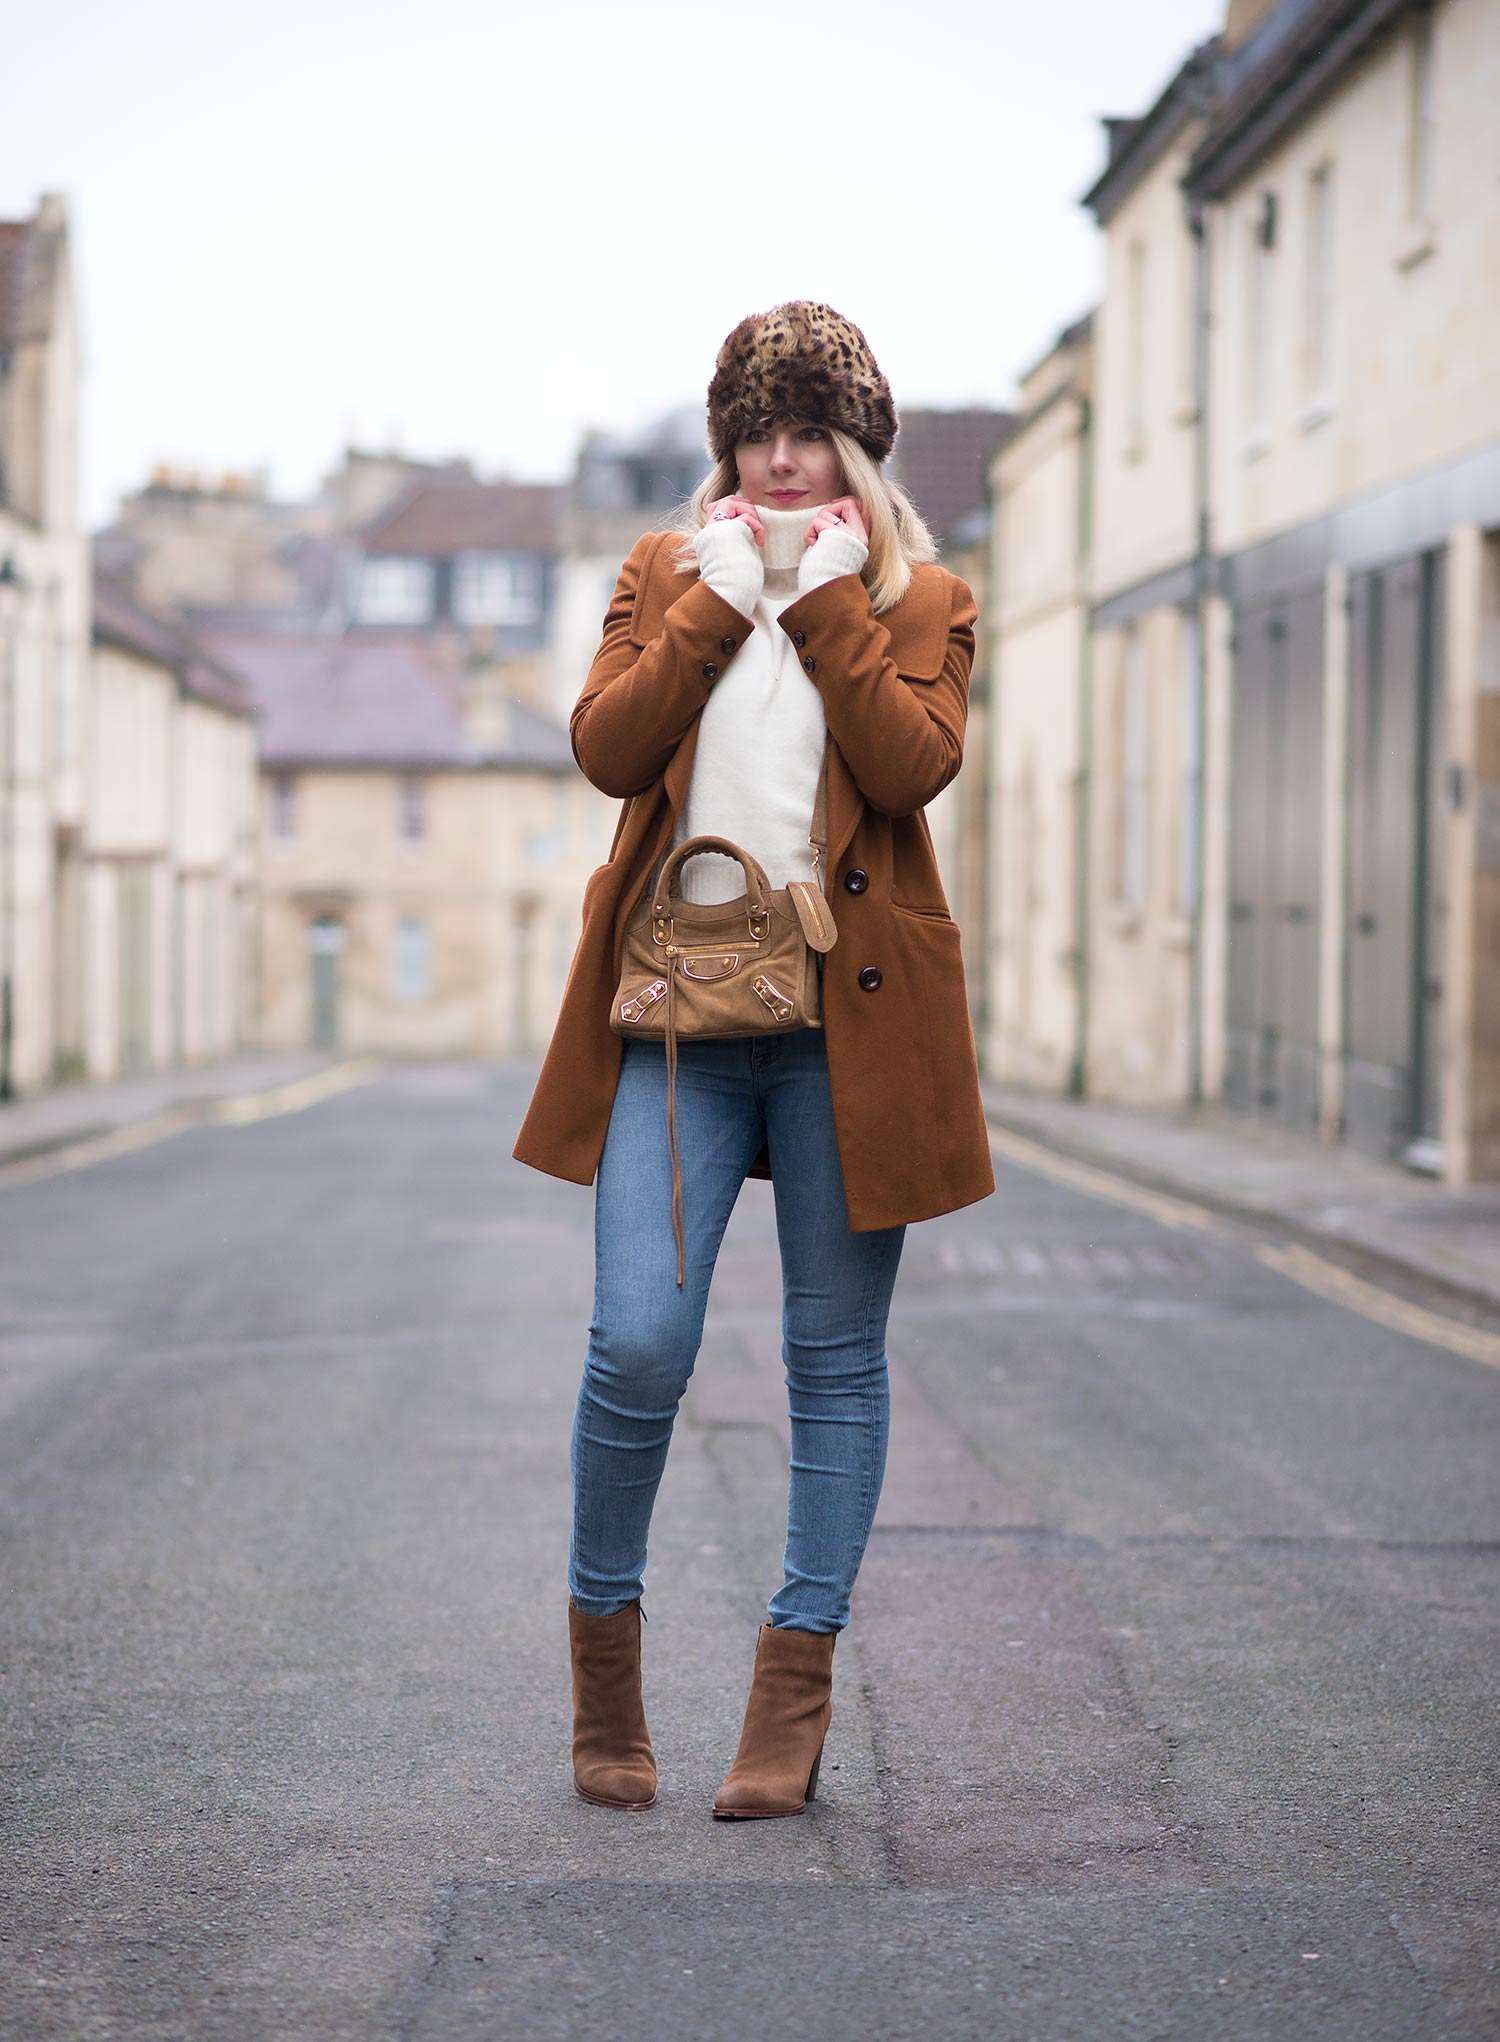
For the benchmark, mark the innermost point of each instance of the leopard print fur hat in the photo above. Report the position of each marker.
(800, 360)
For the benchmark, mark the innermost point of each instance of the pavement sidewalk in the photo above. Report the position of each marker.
(1410, 1225)
(65, 1114)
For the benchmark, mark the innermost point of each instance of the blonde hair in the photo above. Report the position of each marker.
(898, 537)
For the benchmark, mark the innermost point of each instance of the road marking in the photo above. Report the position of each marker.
(1313, 1272)
(246, 1107)
(1077, 1262)
(1160, 1205)
(240, 1110)
(1343, 1287)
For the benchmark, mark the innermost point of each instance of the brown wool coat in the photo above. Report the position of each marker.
(901, 1059)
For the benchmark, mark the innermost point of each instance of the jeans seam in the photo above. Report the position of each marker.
(867, 1502)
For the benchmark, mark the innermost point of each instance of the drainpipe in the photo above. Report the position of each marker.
(1202, 588)
(1078, 1070)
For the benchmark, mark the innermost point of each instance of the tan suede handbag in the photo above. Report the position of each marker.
(747, 966)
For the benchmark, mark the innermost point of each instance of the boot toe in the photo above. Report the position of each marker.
(745, 1797)
(617, 1787)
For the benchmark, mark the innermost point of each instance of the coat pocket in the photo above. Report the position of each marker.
(927, 914)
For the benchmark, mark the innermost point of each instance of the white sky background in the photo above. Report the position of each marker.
(476, 228)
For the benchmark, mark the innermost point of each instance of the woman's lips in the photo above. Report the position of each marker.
(786, 495)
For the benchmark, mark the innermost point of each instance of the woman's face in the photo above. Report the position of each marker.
(791, 465)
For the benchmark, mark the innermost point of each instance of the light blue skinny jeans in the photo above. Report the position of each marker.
(645, 1332)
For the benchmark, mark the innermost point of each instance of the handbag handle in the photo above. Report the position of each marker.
(757, 886)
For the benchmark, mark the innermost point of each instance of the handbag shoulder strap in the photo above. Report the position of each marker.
(818, 835)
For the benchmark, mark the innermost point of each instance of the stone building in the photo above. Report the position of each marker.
(424, 849)
(44, 653)
(1349, 185)
(170, 850)
(941, 459)
(1291, 764)
(220, 551)
(1143, 936)
(1039, 920)
(470, 565)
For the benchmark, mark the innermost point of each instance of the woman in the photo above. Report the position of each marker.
(799, 596)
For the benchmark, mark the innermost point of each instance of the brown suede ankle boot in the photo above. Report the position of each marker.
(613, 1763)
(775, 1771)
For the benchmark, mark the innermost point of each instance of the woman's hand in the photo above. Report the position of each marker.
(842, 515)
(739, 510)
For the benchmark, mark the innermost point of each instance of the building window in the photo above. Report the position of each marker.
(411, 808)
(393, 590)
(1130, 864)
(411, 960)
(495, 588)
(1421, 120)
(283, 805)
(1260, 241)
(1135, 351)
(1317, 358)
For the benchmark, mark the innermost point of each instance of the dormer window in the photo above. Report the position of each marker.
(394, 589)
(496, 588)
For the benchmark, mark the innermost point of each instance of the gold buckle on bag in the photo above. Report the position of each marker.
(644, 1001)
(780, 1003)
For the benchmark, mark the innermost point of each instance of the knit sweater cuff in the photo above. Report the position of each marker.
(835, 551)
(729, 561)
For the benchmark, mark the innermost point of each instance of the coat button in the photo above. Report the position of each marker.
(869, 978)
(856, 881)
(799, 638)
(726, 645)
(810, 663)
(709, 670)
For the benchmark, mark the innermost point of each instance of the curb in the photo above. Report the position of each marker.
(1359, 1256)
(99, 1140)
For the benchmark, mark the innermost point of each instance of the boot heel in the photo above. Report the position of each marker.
(812, 1778)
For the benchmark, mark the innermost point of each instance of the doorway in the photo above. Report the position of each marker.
(325, 944)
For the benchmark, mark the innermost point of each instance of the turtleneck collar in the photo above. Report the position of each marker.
(785, 531)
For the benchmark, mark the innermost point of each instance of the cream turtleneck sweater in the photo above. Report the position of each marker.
(760, 736)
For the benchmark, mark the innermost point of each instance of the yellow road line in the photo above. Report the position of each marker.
(1160, 1205)
(1343, 1287)
(1313, 1272)
(238, 1111)
(295, 1094)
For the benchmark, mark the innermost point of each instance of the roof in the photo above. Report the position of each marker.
(443, 517)
(1136, 146)
(1075, 334)
(942, 458)
(119, 620)
(1290, 57)
(375, 701)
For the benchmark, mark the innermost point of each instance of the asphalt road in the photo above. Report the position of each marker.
(1168, 1707)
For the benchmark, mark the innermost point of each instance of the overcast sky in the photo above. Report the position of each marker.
(466, 228)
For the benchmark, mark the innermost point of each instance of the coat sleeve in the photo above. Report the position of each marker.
(637, 702)
(902, 740)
